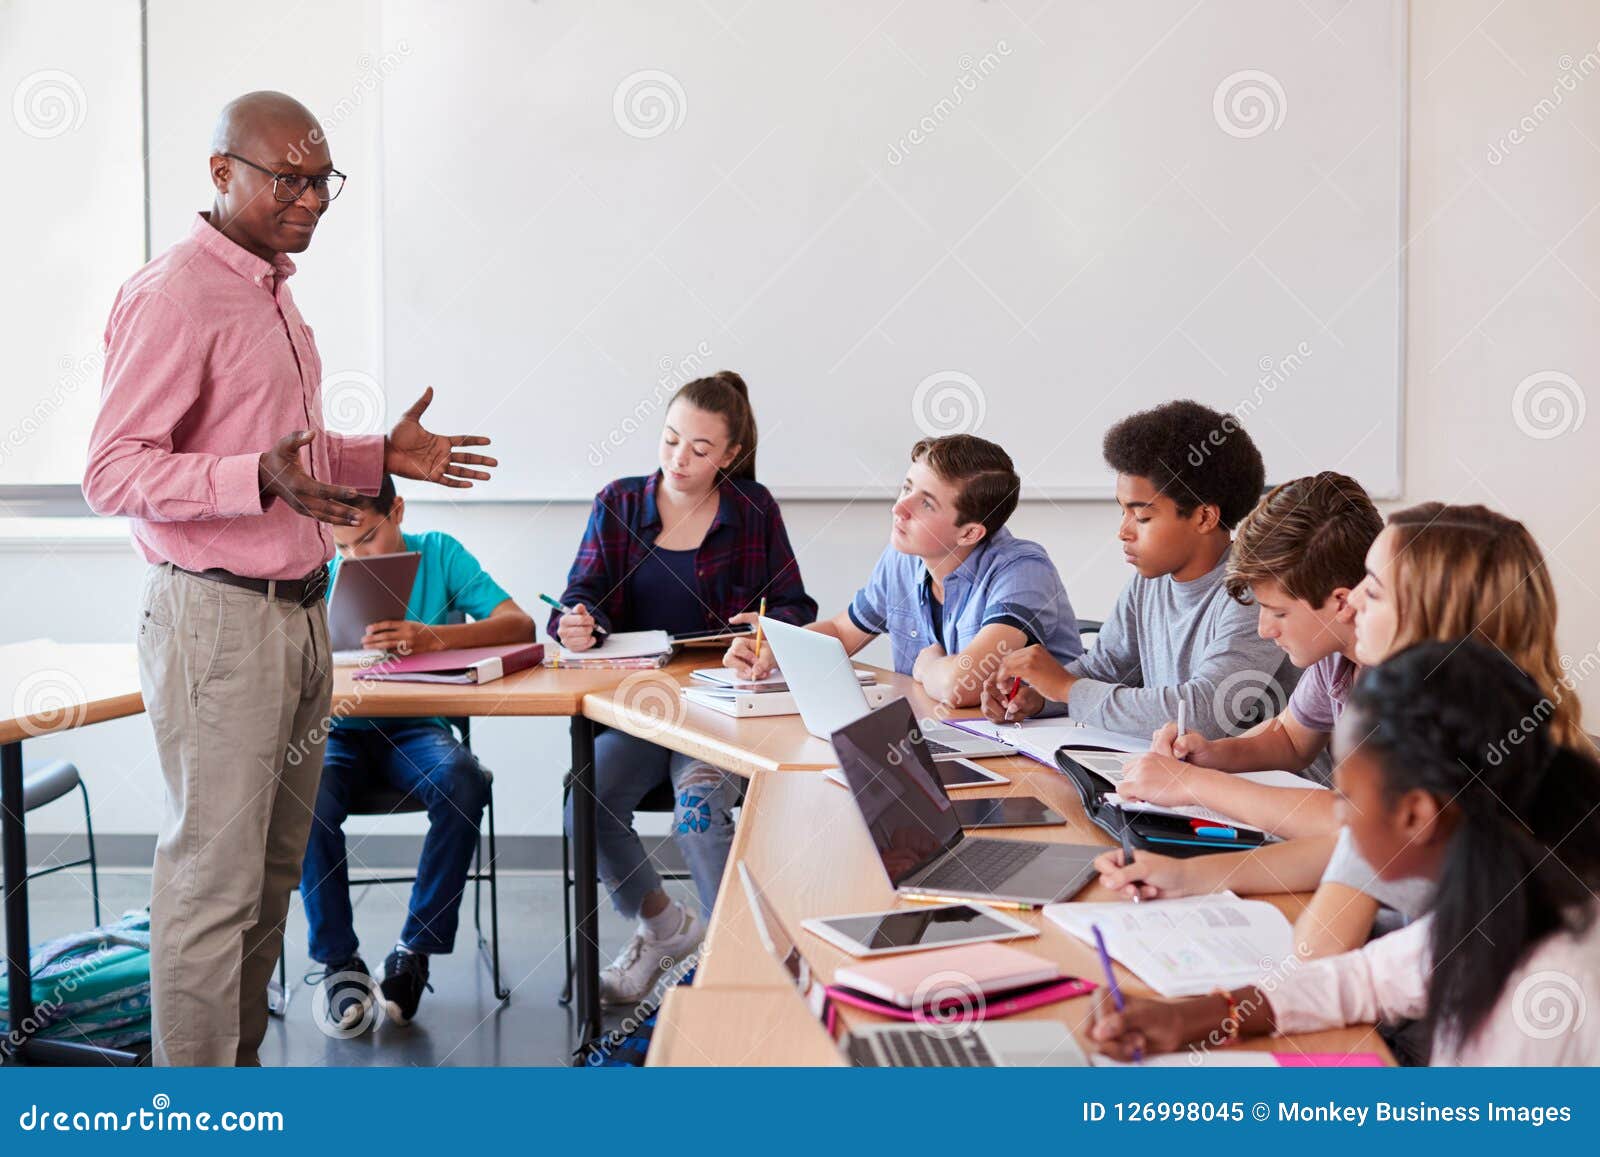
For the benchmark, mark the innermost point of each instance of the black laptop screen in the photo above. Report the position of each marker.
(892, 777)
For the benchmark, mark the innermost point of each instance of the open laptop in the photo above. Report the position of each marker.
(918, 837)
(823, 682)
(980, 1044)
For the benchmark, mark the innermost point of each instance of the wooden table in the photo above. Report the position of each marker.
(648, 705)
(47, 687)
(803, 841)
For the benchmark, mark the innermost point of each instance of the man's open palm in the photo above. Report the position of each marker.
(413, 452)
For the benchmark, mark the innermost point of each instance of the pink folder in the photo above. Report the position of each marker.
(462, 665)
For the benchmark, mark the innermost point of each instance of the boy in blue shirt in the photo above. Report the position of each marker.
(420, 756)
(954, 590)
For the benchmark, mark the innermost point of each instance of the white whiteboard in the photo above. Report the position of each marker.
(1025, 219)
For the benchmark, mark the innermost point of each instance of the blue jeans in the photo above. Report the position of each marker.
(411, 755)
(626, 768)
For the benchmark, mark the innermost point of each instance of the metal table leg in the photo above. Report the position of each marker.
(586, 892)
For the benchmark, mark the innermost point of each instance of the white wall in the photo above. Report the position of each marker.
(1504, 282)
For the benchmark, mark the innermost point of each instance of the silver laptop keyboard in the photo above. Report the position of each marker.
(915, 1048)
(937, 748)
(988, 861)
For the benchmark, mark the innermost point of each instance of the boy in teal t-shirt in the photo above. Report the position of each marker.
(420, 756)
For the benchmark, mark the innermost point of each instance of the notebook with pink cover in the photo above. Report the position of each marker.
(971, 982)
(460, 665)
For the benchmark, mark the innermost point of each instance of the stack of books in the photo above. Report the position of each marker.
(622, 650)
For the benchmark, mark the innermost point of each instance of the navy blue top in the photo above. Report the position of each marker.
(664, 592)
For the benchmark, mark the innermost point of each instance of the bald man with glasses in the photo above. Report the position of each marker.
(210, 439)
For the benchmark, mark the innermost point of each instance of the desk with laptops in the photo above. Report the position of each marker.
(808, 847)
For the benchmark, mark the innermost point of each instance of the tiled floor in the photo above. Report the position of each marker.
(459, 1023)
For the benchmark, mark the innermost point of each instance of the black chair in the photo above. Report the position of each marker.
(44, 785)
(384, 801)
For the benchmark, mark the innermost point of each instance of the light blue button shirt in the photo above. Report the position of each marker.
(1006, 580)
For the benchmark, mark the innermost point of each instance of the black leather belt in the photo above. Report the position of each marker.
(305, 592)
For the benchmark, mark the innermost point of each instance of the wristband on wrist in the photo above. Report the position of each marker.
(1233, 1022)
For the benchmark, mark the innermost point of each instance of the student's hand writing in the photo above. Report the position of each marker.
(1190, 746)
(575, 629)
(999, 707)
(1038, 668)
(1161, 779)
(745, 662)
(401, 637)
(1145, 1027)
(1153, 877)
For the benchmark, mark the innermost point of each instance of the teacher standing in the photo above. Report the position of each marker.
(210, 439)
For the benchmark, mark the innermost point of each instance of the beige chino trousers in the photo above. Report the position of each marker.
(238, 687)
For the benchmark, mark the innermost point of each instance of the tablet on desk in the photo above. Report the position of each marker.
(369, 590)
(916, 929)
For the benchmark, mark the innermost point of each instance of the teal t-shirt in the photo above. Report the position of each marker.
(449, 579)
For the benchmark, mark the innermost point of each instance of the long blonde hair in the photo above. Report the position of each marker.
(1469, 572)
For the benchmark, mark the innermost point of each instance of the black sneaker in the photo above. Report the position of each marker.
(405, 975)
(350, 992)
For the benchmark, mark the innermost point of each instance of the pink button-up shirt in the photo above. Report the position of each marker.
(208, 363)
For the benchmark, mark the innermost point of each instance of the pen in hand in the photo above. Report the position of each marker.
(1111, 981)
(600, 632)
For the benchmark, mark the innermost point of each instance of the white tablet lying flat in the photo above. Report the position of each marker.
(917, 929)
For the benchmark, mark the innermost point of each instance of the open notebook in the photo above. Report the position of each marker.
(1189, 946)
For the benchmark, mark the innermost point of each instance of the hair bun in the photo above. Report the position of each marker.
(734, 380)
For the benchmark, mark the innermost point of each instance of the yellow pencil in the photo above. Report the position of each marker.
(761, 614)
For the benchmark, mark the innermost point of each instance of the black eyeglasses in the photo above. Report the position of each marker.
(287, 187)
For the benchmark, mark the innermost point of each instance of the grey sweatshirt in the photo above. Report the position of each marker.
(1167, 642)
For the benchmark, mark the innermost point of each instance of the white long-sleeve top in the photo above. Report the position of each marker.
(1548, 1012)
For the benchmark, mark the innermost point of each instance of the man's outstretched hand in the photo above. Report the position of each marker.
(280, 475)
(412, 452)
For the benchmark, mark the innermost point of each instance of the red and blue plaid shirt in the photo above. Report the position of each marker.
(744, 558)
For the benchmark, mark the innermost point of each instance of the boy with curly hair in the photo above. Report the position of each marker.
(1186, 475)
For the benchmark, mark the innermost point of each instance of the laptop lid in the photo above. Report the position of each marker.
(820, 676)
(774, 936)
(901, 796)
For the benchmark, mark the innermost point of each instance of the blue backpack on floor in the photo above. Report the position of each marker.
(92, 987)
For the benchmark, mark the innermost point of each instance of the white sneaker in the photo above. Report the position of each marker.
(640, 966)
